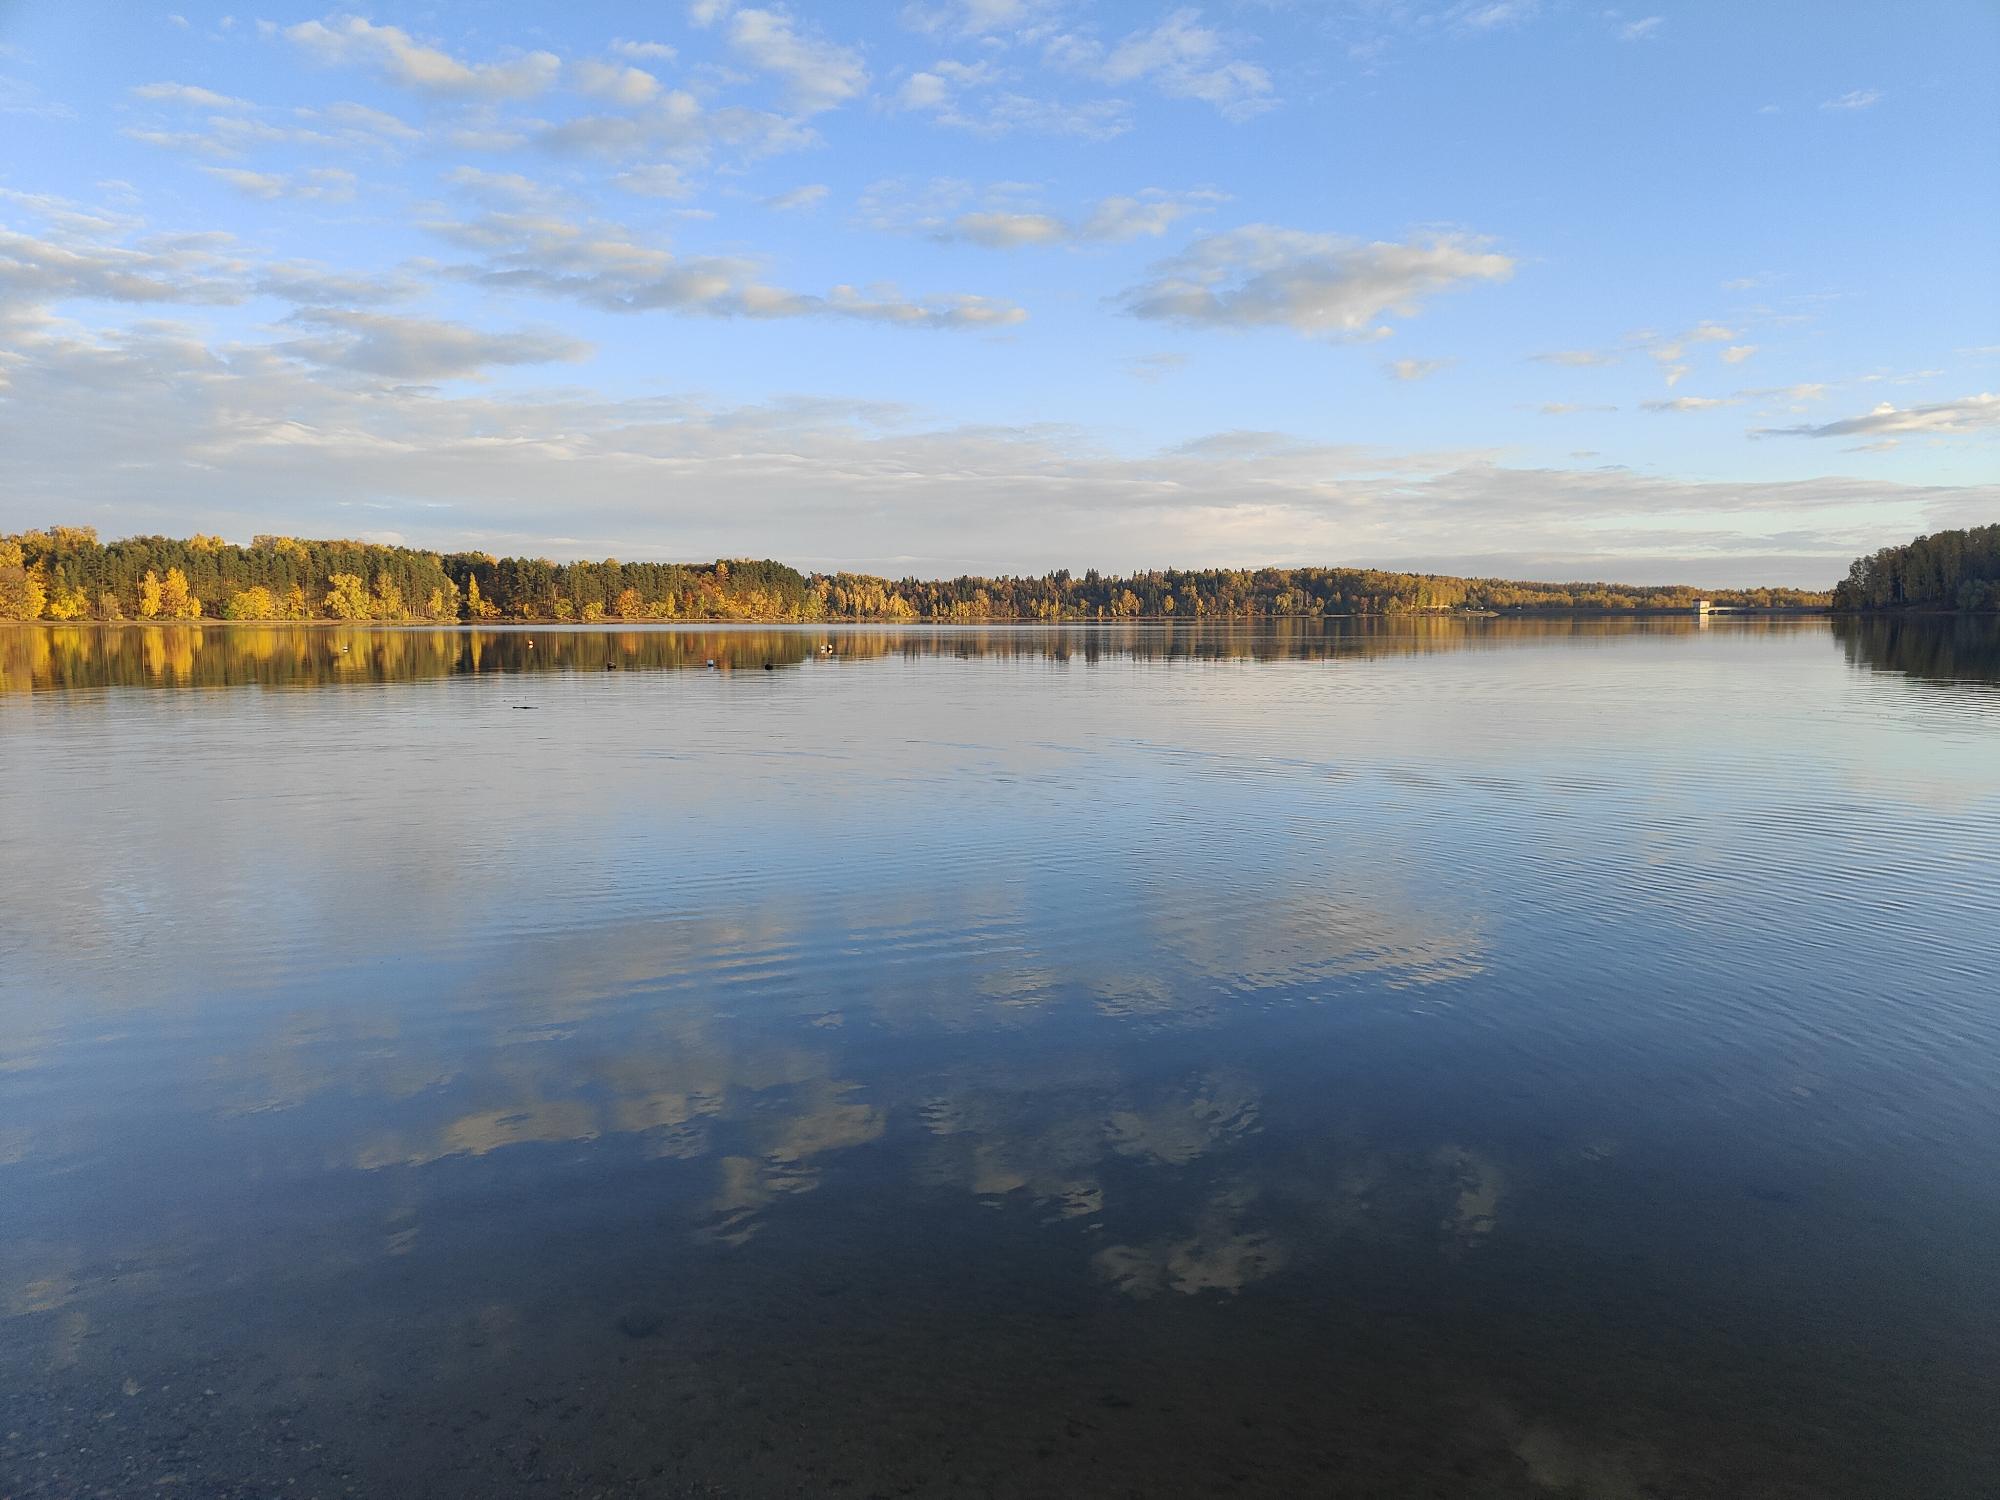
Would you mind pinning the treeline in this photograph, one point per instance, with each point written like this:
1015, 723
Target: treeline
66, 573
1946, 570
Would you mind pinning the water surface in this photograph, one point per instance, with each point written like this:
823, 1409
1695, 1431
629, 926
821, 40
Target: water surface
1496, 1059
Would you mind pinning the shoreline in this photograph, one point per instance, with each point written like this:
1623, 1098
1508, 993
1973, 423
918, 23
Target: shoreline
1401, 617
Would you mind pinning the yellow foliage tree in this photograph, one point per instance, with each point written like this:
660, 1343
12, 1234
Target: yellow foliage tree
177, 601
149, 596
22, 593
347, 598
68, 604
388, 598
253, 603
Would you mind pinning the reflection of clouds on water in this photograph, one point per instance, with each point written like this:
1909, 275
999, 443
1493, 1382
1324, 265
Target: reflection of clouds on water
1266, 935
475, 1134
1225, 1253
1475, 1207
1566, 1465
823, 1117
709, 1037
987, 1144
745, 1186
1449, 1196
1221, 1110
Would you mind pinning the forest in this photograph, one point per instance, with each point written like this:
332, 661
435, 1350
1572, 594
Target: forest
1958, 570
66, 573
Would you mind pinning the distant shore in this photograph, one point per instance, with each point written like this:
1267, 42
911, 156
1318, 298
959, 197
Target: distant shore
612, 623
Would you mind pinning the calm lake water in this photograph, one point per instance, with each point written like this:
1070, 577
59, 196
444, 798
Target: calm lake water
1485, 1059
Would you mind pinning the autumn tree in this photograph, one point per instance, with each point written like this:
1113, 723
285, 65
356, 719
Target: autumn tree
177, 602
347, 597
476, 607
388, 601
22, 592
149, 596
68, 602
254, 603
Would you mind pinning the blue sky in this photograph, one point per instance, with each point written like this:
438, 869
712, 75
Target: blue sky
1688, 292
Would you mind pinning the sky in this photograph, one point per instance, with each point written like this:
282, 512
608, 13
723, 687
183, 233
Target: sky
1703, 293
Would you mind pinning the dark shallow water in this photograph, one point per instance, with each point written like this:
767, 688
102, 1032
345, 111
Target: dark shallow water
1463, 1059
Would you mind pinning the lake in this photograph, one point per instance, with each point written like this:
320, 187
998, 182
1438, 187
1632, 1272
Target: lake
1487, 1058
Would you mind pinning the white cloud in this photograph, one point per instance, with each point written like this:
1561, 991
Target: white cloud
156, 269
820, 74
675, 123
104, 260
885, 305
341, 129
660, 180
1151, 213
1493, 15
189, 94
1008, 215
608, 266
507, 189
924, 91
420, 348
1011, 19
1735, 354
1577, 358
1855, 99
1670, 354
798, 199
645, 51
1180, 57
971, 97
1265, 276
1007, 113
619, 83
1644, 30
1688, 403
323, 184
400, 58
1966, 414
1000, 231
132, 426
1417, 369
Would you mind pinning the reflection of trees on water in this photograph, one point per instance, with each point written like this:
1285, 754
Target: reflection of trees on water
46, 657
1936, 648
